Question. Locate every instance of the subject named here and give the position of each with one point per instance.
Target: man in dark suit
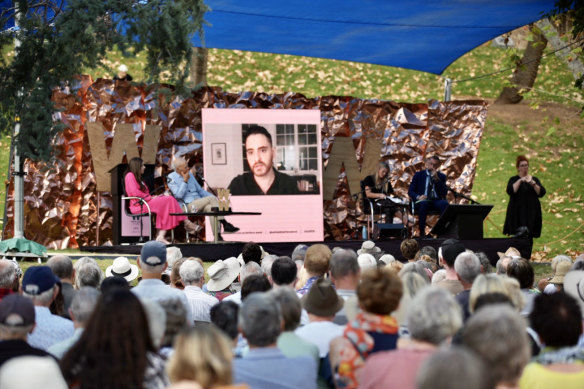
(428, 191)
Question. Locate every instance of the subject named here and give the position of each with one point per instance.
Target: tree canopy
(57, 39)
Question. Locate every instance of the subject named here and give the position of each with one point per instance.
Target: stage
(210, 252)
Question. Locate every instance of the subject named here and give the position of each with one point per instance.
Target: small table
(214, 215)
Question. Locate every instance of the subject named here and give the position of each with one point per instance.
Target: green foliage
(55, 47)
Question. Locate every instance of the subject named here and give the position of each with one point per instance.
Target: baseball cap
(16, 310)
(38, 279)
(153, 253)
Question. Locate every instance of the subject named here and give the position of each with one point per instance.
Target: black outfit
(18, 348)
(127, 77)
(245, 185)
(524, 208)
(387, 207)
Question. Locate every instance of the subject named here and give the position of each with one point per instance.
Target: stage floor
(210, 252)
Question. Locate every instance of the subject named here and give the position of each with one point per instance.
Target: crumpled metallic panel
(64, 210)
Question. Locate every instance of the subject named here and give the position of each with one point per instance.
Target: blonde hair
(202, 354)
(486, 283)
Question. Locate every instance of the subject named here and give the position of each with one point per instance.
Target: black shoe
(219, 238)
(228, 227)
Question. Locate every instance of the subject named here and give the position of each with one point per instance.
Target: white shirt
(235, 297)
(320, 333)
(200, 302)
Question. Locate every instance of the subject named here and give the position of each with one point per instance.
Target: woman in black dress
(524, 209)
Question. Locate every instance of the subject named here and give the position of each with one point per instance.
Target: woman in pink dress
(162, 206)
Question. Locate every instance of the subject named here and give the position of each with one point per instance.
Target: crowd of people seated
(318, 318)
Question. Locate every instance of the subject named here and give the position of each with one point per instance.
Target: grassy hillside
(547, 127)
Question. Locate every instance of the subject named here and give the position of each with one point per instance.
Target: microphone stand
(457, 194)
(197, 175)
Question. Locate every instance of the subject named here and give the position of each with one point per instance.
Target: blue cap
(153, 253)
(38, 279)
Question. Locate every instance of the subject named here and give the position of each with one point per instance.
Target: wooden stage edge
(210, 252)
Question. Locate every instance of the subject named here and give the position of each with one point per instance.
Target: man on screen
(262, 179)
(428, 191)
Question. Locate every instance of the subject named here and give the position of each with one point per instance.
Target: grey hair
(44, 298)
(468, 266)
(486, 283)
(251, 268)
(267, 262)
(173, 254)
(500, 267)
(560, 258)
(83, 304)
(344, 263)
(260, 319)
(438, 276)
(498, 334)
(156, 317)
(412, 283)
(415, 267)
(8, 332)
(88, 274)
(290, 306)
(7, 274)
(434, 315)
(578, 264)
(485, 262)
(453, 368)
(61, 266)
(151, 268)
(191, 272)
(177, 161)
(176, 318)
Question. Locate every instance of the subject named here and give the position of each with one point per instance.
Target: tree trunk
(553, 36)
(526, 71)
(199, 66)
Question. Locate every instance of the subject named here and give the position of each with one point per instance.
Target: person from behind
(345, 274)
(210, 366)
(87, 273)
(447, 254)
(498, 335)
(316, 265)
(192, 275)
(432, 320)
(8, 278)
(557, 319)
(17, 320)
(62, 267)
(40, 285)
(265, 366)
(468, 267)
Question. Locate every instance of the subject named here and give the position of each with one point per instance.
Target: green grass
(553, 142)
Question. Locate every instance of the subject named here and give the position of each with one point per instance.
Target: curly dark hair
(112, 351)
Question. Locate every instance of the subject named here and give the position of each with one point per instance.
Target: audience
(80, 312)
(373, 329)
(62, 266)
(289, 342)
(265, 366)
(454, 368)
(409, 248)
(152, 263)
(17, 320)
(468, 267)
(447, 254)
(209, 366)
(497, 334)
(345, 274)
(192, 275)
(316, 265)
(40, 285)
(432, 319)
(557, 319)
(115, 349)
(361, 326)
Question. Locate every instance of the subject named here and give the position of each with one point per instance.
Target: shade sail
(414, 34)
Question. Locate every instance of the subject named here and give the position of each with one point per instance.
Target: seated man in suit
(186, 189)
(428, 191)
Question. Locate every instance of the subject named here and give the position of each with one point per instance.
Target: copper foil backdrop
(61, 200)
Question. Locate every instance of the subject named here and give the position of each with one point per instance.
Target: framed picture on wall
(218, 151)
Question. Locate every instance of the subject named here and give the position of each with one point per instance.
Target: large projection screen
(297, 153)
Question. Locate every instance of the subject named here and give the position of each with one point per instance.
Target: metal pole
(447, 89)
(17, 173)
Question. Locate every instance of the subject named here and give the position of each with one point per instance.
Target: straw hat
(561, 270)
(368, 247)
(122, 268)
(222, 273)
(511, 252)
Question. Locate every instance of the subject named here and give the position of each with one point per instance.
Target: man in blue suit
(428, 191)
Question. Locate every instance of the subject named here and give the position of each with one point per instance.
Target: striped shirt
(200, 302)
